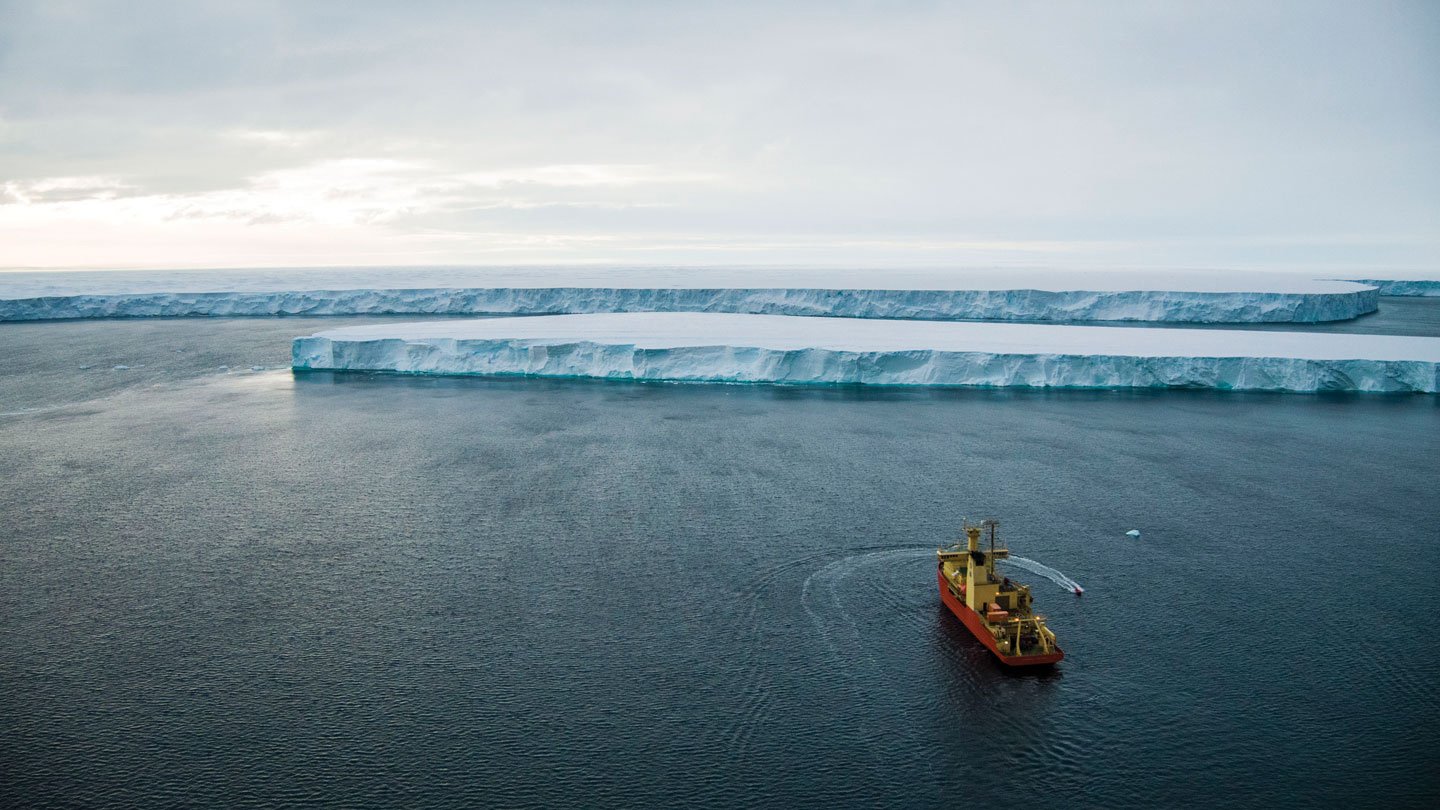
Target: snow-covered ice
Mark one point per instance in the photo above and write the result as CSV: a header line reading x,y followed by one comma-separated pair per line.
x,y
1210,297
1402,282
786,349
1409,287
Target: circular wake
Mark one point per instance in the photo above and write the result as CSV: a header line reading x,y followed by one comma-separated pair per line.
x,y
831,604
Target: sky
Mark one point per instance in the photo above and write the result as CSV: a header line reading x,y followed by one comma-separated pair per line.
x,y
1269,134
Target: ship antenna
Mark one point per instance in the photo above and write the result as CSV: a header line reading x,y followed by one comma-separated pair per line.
x,y
991,523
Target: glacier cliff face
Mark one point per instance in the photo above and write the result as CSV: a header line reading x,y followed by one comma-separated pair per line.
x,y
718,348
1408,287
1197,306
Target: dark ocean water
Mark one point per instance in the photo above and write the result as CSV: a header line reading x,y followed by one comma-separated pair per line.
x,y
261,589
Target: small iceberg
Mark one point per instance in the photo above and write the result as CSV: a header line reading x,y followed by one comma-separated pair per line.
x,y
1133,533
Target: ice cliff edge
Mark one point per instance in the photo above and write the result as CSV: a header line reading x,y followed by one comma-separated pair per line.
x,y
799,350
990,295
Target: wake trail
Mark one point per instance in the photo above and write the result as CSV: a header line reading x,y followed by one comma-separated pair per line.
x,y
1045,571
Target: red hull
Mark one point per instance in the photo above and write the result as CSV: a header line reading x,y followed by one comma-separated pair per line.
x,y
977,629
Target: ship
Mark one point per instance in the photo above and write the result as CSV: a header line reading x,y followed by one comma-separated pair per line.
x,y
994,609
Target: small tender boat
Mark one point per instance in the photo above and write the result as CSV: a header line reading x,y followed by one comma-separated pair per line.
x,y
994,609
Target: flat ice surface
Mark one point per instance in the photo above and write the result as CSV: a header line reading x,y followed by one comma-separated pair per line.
x,y
1405,287
115,282
668,330
768,348
1204,297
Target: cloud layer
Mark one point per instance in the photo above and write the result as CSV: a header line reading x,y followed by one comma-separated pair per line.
x,y
203,134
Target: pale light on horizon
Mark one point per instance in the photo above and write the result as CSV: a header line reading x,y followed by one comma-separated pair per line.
x,y
1293,135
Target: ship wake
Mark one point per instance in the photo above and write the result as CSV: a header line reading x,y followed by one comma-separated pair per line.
x,y
1045,571
828,596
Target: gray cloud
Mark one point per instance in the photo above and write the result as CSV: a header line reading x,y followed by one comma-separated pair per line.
x,y
1188,133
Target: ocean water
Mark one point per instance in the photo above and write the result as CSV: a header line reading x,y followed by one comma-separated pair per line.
x,y
255,588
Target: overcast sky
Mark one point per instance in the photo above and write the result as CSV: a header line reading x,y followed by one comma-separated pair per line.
x,y
1203,134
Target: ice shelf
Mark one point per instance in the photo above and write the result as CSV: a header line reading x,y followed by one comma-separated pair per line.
x,y
1205,297
1405,287
1405,282
785,349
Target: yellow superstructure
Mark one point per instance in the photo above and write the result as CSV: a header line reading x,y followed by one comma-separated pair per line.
x,y
995,609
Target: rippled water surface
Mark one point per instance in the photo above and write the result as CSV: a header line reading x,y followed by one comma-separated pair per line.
x,y
254,588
